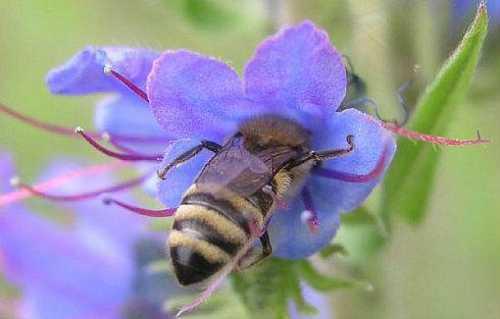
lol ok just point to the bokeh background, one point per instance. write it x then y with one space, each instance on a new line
447 267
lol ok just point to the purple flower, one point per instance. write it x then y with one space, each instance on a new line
296 74
92 268
122 114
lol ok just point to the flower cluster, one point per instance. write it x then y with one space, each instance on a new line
93 268
160 105
296 74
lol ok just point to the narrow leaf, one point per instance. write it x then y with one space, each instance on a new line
333 249
319 281
410 180
361 216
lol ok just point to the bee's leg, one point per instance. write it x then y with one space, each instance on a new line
363 104
252 259
330 154
267 249
187 155
356 91
319 156
402 101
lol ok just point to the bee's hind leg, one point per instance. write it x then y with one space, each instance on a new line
251 259
267 249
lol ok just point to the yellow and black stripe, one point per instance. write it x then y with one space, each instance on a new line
209 230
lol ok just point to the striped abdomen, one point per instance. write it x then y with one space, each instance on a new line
209 231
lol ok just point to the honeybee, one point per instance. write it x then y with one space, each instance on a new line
229 204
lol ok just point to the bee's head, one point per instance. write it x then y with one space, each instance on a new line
271 131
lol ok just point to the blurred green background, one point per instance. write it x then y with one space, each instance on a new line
447 267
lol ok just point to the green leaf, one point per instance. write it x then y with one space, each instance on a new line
364 217
266 288
360 216
333 249
205 14
409 182
322 282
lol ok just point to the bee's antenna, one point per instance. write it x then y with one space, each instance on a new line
15 181
167 212
402 101
110 153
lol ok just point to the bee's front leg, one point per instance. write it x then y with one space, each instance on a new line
187 155
319 156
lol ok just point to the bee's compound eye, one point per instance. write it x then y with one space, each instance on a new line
190 266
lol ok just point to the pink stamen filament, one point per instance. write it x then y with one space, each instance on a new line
439 140
52 128
60 181
120 156
354 178
69 132
167 212
86 195
121 147
9 309
311 218
134 88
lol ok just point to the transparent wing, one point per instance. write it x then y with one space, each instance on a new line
243 172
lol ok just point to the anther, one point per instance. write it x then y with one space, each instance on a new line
309 215
15 181
108 70
110 153
310 219
105 136
167 212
